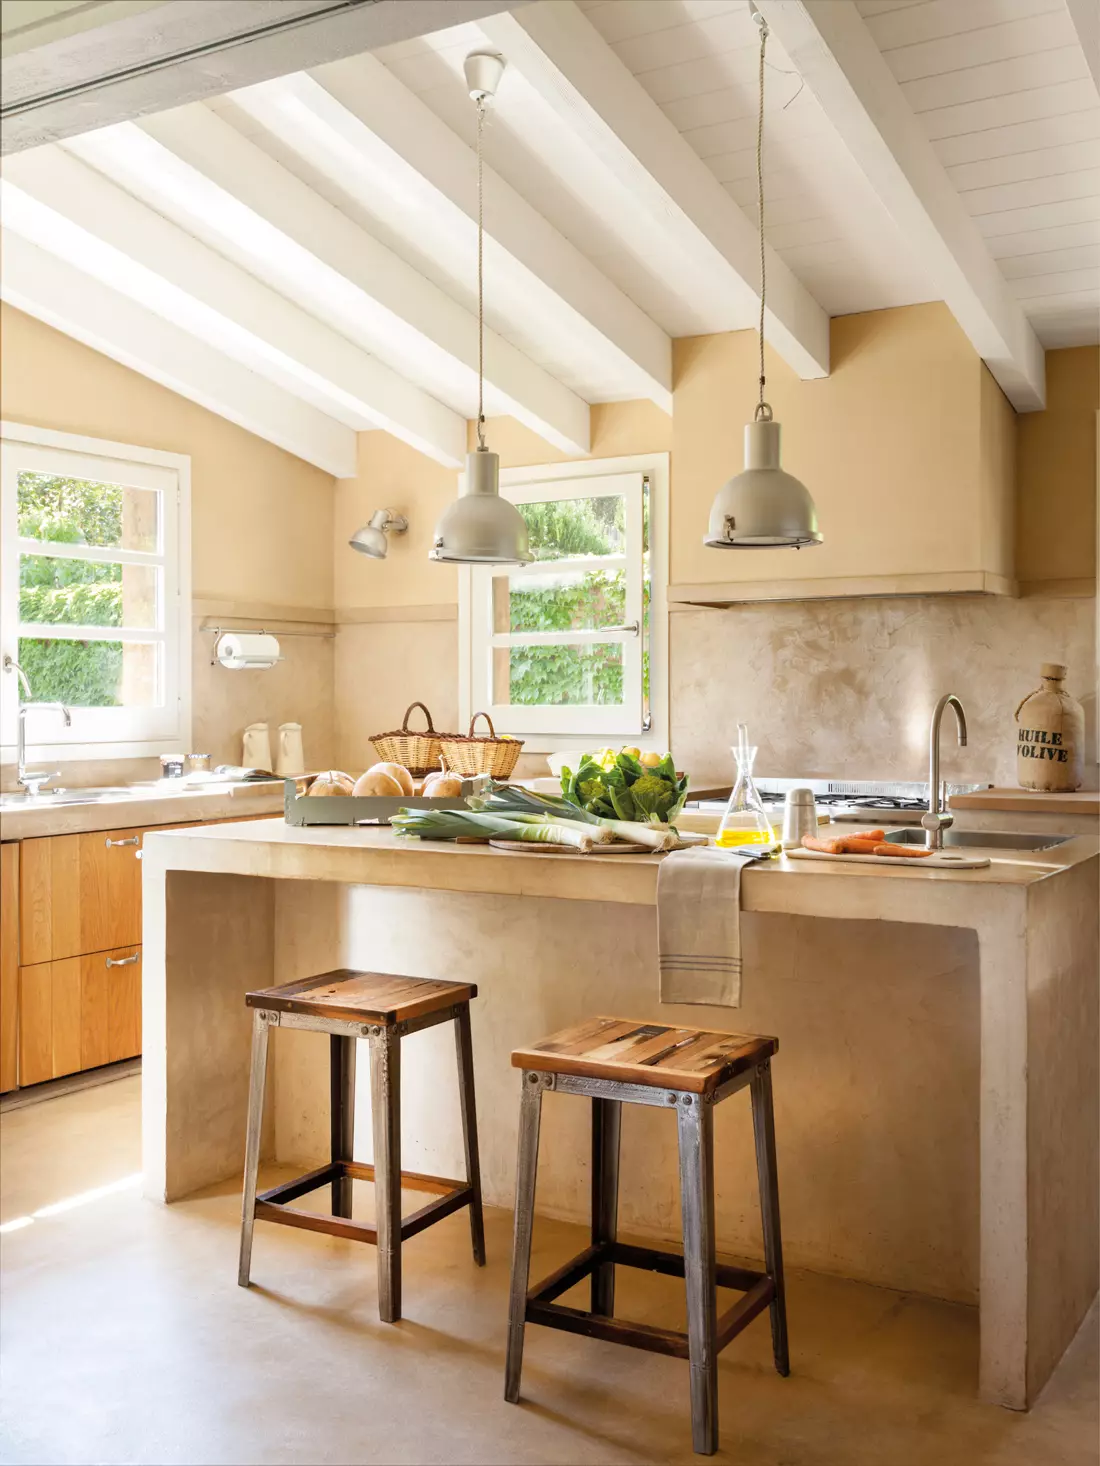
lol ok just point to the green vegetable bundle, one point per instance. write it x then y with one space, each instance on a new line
625 789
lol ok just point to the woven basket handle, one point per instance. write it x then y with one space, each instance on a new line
473 720
405 720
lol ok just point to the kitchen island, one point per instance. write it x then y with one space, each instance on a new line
936 1089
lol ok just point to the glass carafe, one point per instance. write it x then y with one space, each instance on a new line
746 821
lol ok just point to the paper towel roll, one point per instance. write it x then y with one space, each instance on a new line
238 650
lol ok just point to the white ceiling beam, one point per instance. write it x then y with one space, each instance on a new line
384 118
573 68
78 305
1085 16
103 63
70 209
836 55
250 206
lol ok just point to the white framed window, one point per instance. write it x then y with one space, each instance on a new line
573 648
95 594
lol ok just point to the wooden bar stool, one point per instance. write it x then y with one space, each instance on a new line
351 1005
615 1061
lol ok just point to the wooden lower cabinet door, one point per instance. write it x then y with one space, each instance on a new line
9 965
50 1014
110 1006
110 889
124 1005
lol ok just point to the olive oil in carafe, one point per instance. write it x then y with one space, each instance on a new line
746 821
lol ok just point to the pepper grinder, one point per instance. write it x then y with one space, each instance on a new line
799 817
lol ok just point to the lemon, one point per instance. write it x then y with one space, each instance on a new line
649 759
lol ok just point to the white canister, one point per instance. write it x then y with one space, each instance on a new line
290 759
257 747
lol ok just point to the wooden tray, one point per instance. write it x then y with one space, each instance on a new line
938 860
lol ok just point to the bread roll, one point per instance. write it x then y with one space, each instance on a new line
377 781
332 781
395 771
443 786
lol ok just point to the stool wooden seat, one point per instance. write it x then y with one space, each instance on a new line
614 1061
383 1009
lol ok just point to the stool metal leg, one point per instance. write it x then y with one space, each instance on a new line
261 1034
530 1111
341 1115
696 1135
606 1125
465 1053
763 1124
385 1084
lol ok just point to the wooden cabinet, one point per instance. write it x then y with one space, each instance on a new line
78 1013
78 894
9 965
70 952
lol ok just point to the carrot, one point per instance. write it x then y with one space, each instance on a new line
910 851
859 844
828 847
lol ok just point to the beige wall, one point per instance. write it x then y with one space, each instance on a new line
888 444
1057 485
261 523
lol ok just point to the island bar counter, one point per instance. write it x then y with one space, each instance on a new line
936 1086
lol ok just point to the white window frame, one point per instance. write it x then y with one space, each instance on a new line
546 730
101 733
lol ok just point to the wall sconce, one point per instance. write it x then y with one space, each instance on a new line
371 539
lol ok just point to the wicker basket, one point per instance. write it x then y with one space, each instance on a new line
472 755
418 752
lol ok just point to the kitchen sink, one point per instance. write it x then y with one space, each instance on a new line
980 839
50 797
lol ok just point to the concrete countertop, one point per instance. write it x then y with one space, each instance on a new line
147 807
1030 801
373 856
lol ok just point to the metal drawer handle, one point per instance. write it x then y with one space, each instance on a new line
133 840
122 961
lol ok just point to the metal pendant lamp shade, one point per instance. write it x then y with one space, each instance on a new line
481 528
762 507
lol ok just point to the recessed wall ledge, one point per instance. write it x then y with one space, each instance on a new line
948 582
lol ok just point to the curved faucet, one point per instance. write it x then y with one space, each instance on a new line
937 819
29 782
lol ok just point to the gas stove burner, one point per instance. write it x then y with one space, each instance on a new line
881 801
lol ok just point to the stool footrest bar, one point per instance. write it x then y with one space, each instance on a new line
271 1205
758 1289
311 1221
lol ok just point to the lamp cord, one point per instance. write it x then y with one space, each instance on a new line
763 411
480 283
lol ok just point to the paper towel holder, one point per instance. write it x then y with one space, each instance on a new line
220 631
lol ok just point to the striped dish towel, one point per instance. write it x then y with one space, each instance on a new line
699 925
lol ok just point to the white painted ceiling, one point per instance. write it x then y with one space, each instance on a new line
300 254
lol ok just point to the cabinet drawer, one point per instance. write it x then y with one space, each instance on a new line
78 894
78 1013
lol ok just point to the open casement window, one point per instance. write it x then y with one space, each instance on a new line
564 646
93 604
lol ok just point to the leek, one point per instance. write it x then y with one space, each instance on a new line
448 824
512 801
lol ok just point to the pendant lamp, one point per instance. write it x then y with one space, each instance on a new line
481 528
762 507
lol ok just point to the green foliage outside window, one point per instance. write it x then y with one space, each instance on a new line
59 592
550 676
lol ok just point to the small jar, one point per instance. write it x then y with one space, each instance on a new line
171 765
198 763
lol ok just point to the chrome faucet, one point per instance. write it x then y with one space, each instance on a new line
31 782
937 819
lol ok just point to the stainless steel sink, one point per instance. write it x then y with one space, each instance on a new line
47 798
979 839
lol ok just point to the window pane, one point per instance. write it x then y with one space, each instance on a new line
76 511
590 601
92 674
569 529
558 676
58 592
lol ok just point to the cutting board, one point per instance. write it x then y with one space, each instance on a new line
938 860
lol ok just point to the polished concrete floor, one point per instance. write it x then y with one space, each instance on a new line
124 1338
